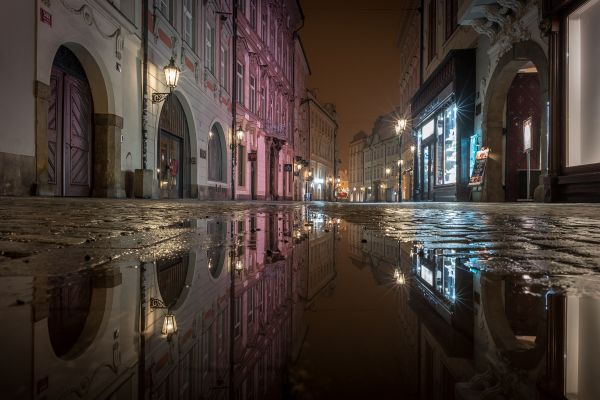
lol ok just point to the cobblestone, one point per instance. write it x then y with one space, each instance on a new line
547 239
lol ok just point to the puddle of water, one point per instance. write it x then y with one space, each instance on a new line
295 304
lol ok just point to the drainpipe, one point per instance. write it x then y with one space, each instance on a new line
421 38
145 17
233 95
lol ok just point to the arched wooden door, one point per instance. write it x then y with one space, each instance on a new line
173 145
70 116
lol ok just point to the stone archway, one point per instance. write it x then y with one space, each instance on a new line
77 156
173 151
494 115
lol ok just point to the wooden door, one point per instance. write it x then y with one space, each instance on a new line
69 134
77 131
170 172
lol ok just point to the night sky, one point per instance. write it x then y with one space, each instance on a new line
355 63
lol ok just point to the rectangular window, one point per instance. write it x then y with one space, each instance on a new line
263 28
164 6
237 321
240 83
253 11
241 161
252 94
583 85
188 22
250 312
206 353
446 147
221 332
224 66
210 48
431 38
263 103
451 17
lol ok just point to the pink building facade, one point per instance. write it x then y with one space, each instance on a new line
265 99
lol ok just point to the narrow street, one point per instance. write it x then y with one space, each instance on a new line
298 300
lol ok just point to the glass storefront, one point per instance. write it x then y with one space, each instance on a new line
439 150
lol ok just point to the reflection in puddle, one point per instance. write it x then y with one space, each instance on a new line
294 304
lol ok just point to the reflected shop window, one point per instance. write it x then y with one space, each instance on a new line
172 276
583 85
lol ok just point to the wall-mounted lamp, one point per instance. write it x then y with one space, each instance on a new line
169 327
171 77
240 134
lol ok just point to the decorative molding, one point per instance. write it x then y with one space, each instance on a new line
87 13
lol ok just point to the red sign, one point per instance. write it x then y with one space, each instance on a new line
252 156
45 17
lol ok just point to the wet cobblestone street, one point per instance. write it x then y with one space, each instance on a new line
127 299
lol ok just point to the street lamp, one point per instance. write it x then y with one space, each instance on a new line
400 127
413 148
400 191
171 77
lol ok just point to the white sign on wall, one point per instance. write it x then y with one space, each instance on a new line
527 135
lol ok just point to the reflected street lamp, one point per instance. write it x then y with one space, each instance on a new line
169 327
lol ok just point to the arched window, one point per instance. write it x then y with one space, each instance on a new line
216 162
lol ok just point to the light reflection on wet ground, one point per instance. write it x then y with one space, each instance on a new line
305 302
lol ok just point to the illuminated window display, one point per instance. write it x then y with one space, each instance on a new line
583 85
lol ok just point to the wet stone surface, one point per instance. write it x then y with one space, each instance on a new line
183 299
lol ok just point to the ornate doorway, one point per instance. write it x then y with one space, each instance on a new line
173 145
522 104
70 127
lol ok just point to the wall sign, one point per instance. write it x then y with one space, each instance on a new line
479 168
45 17
527 146
287 167
203 154
252 156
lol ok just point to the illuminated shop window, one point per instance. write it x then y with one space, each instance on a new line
583 85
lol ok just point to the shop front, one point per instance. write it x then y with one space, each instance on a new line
574 173
443 125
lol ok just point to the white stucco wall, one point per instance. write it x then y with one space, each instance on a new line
17 103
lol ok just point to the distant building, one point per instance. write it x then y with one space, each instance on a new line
320 174
356 173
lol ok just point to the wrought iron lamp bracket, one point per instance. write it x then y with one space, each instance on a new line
157 303
159 97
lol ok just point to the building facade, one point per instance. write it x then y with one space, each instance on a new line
573 84
356 171
512 94
103 121
320 174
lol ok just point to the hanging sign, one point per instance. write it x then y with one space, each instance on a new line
479 168
527 135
